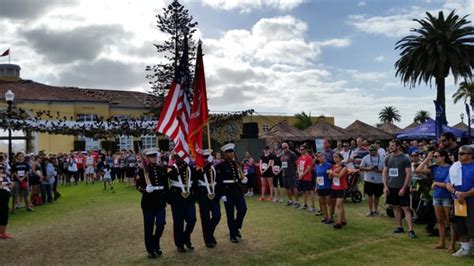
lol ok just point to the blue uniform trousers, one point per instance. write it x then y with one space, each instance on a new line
234 222
208 208
183 213
152 217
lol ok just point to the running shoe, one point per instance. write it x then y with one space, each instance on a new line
261 199
370 214
411 234
311 210
329 222
269 199
398 230
289 203
303 207
337 226
461 253
297 205
6 236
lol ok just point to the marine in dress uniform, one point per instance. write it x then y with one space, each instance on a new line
154 193
209 205
229 177
183 203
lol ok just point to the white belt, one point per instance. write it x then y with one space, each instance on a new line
158 187
229 181
203 184
180 185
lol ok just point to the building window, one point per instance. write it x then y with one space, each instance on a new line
91 144
266 128
124 142
87 117
149 141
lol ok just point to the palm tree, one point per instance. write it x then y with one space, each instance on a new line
466 92
421 116
441 45
303 120
389 114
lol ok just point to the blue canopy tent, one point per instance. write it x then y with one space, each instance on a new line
428 131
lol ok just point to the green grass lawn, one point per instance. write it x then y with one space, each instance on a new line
91 226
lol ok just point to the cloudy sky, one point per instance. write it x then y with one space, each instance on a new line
326 57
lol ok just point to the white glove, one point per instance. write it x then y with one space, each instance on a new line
224 198
149 188
245 180
210 159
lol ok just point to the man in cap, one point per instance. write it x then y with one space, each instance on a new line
372 166
209 205
153 184
183 203
229 176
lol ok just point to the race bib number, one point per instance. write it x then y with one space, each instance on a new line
336 181
264 166
21 173
246 172
276 168
301 169
284 164
132 164
320 180
393 172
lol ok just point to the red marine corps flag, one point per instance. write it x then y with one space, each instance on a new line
199 113
174 116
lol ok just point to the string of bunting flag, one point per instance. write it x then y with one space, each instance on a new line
101 128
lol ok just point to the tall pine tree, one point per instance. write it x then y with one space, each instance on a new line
176 22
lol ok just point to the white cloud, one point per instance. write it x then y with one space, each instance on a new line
362 4
380 58
246 6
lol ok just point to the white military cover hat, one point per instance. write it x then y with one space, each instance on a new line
206 152
228 147
152 152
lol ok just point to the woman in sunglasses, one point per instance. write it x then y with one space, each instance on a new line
442 200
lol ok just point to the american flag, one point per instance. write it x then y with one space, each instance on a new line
175 114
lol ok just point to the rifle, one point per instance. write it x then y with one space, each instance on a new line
145 173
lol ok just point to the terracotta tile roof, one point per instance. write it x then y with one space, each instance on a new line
27 90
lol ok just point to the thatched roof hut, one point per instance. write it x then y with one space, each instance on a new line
390 128
410 126
361 129
322 129
283 131
463 126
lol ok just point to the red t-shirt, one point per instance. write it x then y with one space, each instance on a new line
338 183
80 161
305 162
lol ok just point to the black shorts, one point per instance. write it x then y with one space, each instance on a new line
278 181
250 180
394 199
324 192
373 189
289 182
338 194
464 226
4 199
305 186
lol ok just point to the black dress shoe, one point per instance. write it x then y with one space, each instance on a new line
214 241
211 245
234 240
151 255
158 252
189 245
181 249
238 234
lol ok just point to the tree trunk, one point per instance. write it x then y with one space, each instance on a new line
440 95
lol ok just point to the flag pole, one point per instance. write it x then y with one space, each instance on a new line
208 135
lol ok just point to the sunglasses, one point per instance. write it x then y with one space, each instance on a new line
436 156
464 153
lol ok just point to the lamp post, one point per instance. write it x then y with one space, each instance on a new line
462 117
9 97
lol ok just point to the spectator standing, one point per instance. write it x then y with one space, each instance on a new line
372 166
396 180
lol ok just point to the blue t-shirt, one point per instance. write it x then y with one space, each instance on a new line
439 175
467 180
322 178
